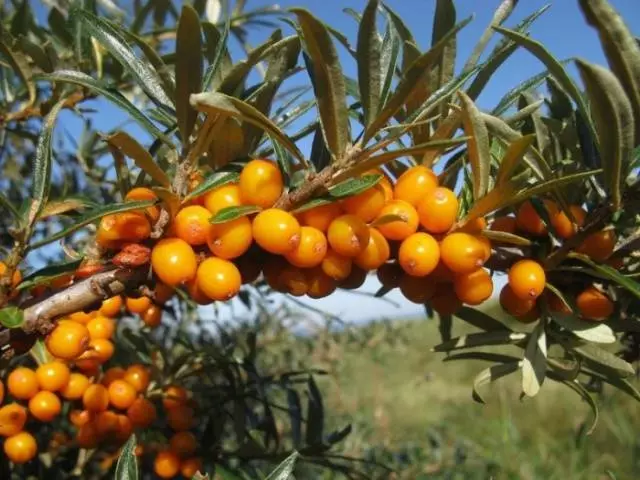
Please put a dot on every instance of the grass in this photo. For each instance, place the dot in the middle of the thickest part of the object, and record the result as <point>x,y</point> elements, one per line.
<point>414,412</point>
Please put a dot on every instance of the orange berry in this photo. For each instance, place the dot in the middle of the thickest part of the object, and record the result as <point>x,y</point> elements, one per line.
<point>12,419</point>
<point>218,279</point>
<point>462,252</point>
<point>53,376</point>
<point>419,254</point>
<point>319,284</point>
<point>321,217</point>
<point>336,266</point>
<point>121,394</point>
<point>261,183</point>
<point>100,349</point>
<point>475,225</point>
<point>190,466</point>
<point>82,317</point>
<point>166,464</point>
<point>348,235</point>
<point>124,428</point>
<point>87,436</point>
<point>89,364</point>
<point>414,184</point>
<point>106,423</point>
<point>473,288</point>
<point>529,221</point>
<point>556,305</point>
<point>276,231</point>
<point>230,239</point>
<point>564,227</point>
<point>444,300</point>
<point>365,205</point>
<point>45,406</point>
<point>310,251</point>
<point>21,447</point>
<point>222,197</point>
<point>442,273</point>
<point>138,376</point>
<point>152,316</point>
<point>114,373</point>
<point>111,306</point>
<point>95,398</point>
<point>102,327</point>
<point>594,305</point>
<point>22,383</point>
<point>196,294</point>
<point>599,245</point>
<point>80,417</point>
<point>399,229</point>
<point>75,387</point>
<point>375,254</point>
<point>292,280</point>
<point>192,224</point>
<point>386,186</point>
<point>143,193</point>
<point>504,224</point>
<point>527,279</point>
<point>438,210</point>
<point>514,305</point>
<point>137,304</point>
<point>142,413</point>
<point>417,289</point>
<point>181,418</point>
<point>68,340</point>
<point>174,396</point>
<point>130,227</point>
<point>1,392</point>
<point>162,293</point>
<point>183,443</point>
<point>174,261</point>
<point>16,278</point>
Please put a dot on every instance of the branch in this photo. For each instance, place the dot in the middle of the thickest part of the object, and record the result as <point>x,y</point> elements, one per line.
<point>315,183</point>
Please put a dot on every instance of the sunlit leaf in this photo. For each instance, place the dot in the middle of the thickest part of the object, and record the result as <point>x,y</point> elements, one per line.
<point>231,213</point>
<point>478,145</point>
<point>492,374</point>
<point>141,156</point>
<point>534,363</point>
<point>11,317</point>
<point>215,180</point>
<point>514,154</point>
<point>284,471</point>
<point>127,467</point>
<point>369,62</point>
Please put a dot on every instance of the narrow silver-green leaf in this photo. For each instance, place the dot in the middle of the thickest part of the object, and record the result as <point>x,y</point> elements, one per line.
<point>534,363</point>
<point>188,69</point>
<point>231,213</point>
<point>6,203</point>
<point>140,155</point>
<point>479,151</point>
<point>20,65</point>
<point>216,61</point>
<point>328,82</point>
<point>492,374</point>
<point>444,19</point>
<point>512,157</point>
<point>353,186</point>
<point>497,337</point>
<point>505,237</point>
<point>284,471</point>
<point>127,467</point>
<point>613,118</point>
<point>480,319</point>
<point>388,60</point>
<point>604,361</point>
<point>590,331</point>
<point>369,71</point>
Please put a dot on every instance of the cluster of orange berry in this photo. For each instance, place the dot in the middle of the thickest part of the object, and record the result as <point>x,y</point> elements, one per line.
<point>403,230</point>
<point>105,405</point>
<point>527,279</point>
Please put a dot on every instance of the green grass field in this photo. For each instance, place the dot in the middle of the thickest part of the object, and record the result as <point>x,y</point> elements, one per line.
<point>414,412</point>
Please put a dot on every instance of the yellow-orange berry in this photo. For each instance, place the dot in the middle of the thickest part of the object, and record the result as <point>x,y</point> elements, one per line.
<point>75,387</point>
<point>53,376</point>
<point>137,304</point>
<point>102,327</point>
<point>124,428</point>
<point>152,316</point>
<point>114,373</point>
<point>293,280</point>
<point>414,184</point>
<point>375,254</point>
<point>598,245</point>
<point>181,418</point>
<point>174,396</point>
<point>218,279</point>
<point>20,448</point>
<point>138,376</point>
<point>276,231</point>
<point>143,193</point>
<point>22,383</point>
<point>131,227</point>
<point>348,235</point>
<point>121,394</point>
<point>87,435</point>
<point>183,443</point>
<point>82,317</point>
<point>594,305</point>
<point>174,261</point>
<point>45,406</point>
<point>462,252</point>
<point>417,289</point>
<point>504,224</point>
<point>195,294</point>
<point>12,419</point>
<point>111,306</point>
<point>311,250</point>
<point>336,266</point>
<point>399,229</point>
<point>230,239</point>
<point>166,464</point>
<point>438,210</point>
<point>142,413</point>
<point>473,288</point>
<point>514,305</point>
<point>95,398</point>
<point>106,423</point>
<point>527,279</point>
<point>529,221</point>
<point>192,224</point>
<point>16,278</point>
<point>80,417</point>
<point>475,225</point>
<point>321,217</point>
<point>563,226</point>
<point>190,466</point>
<point>419,254</point>
<point>222,197</point>
<point>68,340</point>
<point>100,349</point>
<point>367,204</point>
<point>261,183</point>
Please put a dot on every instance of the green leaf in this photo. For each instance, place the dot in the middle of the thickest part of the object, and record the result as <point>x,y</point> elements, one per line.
<point>141,156</point>
<point>47,274</point>
<point>6,203</point>
<point>215,180</point>
<point>213,70</point>
<point>284,471</point>
<point>328,82</point>
<point>389,218</point>
<point>534,363</point>
<point>11,317</point>
<point>115,97</point>
<point>613,118</point>
<point>106,34</point>
<point>603,360</point>
<point>590,331</point>
<point>188,69</point>
<point>444,20</point>
<point>512,157</point>
<point>505,237</point>
<point>314,202</point>
<point>315,415</point>
<point>231,213</point>
<point>127,467</point>
<point>40,353</point>
<point>485,356</point>
<point>402,30</point>
<point>388,60</point>
<point>353,186</point>
<point>609,273</point>
<point>90,217</point>
<point>369,62</point>
<point>20,64</point>
<point>43,164</point>
<point>478,145</point>
<point>492,374</point>
<point>480,319</point>
<point>496,337</point>
<point>218,103</point>
<point>59,207</point>
<point>512,95</point>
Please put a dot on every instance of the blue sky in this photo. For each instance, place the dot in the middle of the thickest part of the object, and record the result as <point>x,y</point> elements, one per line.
<point>562,29</point>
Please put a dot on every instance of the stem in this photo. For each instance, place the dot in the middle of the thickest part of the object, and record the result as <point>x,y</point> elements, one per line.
<point>314,184</point>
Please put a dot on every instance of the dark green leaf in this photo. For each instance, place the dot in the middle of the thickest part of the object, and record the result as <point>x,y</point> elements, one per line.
<point>314,202</point>
<point>213,69</point>
<point>49,273</point>
<point>385,219</point>
<point>353,186</point>
<point>6,203</point>
<point>284,471</point>
<point>484,356</point>
<point>127,467</point>
<point>492,374</point>
<point>315,415</point>
<point>496,337</point>
<point>20,64</point>
<point>610,273</point>
<point>512,157</point>
<point>480,319</point>
<point>603,360</point>
<point>215,180</point>
<point>369,63</point>
<point>11,317</point>
<point>505,237</point>
<point>478,149</point>
<point>231,213</point>
<point>444,20</point>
